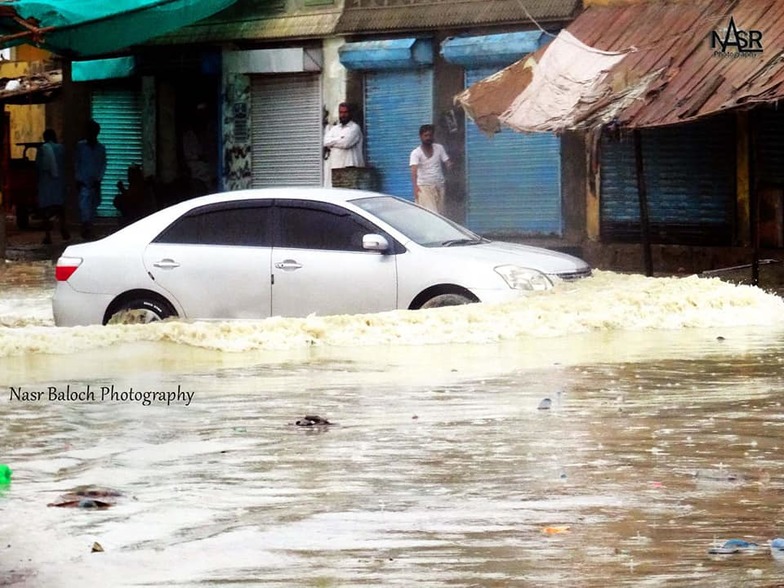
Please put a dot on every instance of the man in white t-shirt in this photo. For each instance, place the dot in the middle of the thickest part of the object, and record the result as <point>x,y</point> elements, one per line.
<point>427,175</point>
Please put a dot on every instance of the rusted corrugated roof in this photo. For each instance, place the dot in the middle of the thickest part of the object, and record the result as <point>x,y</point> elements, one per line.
<point>258,20</point>
<point>367,16</point>
<point>295,26</point>
<point>669,72</point>
<point>36,88</point>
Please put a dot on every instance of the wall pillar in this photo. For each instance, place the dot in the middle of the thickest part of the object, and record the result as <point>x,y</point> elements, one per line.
<point>743,187</point>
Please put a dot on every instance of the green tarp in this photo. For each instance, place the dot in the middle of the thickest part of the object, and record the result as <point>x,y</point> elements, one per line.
<point>103,69</point>
<point>94,27</point>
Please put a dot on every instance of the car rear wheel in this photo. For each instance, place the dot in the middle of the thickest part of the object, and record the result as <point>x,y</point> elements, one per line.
<point>447,300</point>
<point>141,311</point>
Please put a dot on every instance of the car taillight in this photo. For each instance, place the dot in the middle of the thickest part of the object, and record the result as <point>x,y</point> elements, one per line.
<point>65,268</point>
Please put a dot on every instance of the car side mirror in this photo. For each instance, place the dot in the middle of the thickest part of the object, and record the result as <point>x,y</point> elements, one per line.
<point>374,242</point>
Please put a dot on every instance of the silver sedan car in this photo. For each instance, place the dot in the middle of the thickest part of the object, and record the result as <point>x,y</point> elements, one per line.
<point>293,252</point>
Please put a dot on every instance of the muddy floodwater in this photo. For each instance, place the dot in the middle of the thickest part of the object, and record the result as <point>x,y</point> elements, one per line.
<point>607,433</point>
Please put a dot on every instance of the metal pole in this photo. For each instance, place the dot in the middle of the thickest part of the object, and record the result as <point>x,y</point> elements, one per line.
<point>3,196</point>
<point>753,205</point>
<point>642,194</point>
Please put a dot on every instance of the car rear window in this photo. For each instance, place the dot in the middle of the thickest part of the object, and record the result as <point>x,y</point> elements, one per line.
<point>239,226</point>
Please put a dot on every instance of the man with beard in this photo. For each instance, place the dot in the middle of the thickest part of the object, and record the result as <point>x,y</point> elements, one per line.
<point>427,175</point>
<point>343,141</point>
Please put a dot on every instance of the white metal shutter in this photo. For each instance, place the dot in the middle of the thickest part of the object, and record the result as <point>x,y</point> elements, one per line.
<point>286,130</point>
<point>119,112</point>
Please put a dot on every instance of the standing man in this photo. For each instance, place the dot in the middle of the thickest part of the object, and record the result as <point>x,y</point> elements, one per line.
<point>49,161</point>
<point>195,144</point>
<point>90,164</point>
<point>427,175</point>
<point>343,142</point>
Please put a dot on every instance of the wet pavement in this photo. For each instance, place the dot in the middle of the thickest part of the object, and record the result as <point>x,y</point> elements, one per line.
<point>27,244</point>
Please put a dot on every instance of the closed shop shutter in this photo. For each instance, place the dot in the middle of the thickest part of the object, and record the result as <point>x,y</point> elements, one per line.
<point>513,179</point>
<point>690,180</point>
<point>397,103</point>
<point>119,112</point>
<point>286,130</point>
<point>769,131</point>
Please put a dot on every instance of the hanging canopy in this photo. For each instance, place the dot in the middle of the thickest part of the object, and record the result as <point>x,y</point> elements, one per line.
<point>640,65</point>
<point>93,27</point>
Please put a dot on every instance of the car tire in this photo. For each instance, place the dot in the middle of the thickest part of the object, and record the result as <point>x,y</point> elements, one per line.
<point>447,300</point>
<point>141,311</point>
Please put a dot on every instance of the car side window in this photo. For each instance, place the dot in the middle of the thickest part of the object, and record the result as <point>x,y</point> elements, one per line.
<point>247,226</point>
<point>303,227</point>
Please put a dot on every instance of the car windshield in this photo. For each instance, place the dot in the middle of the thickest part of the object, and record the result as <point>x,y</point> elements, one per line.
<point>418,224</point>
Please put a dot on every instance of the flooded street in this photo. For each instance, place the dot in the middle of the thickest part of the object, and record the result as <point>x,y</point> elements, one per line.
<point>607,433</point>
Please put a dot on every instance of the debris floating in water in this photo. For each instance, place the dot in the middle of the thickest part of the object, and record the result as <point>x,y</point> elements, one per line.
<point>312,421</point>
<point>733,546</point>
<point>545,404</point>
<point>96,497</point>
<point>777,548</point>
<point>556,529</point>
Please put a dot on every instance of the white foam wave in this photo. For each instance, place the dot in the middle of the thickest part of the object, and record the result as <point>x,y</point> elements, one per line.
<point>606,302</point>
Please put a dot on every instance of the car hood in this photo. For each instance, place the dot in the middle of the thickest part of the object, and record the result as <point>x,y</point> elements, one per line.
<point>498,253</point>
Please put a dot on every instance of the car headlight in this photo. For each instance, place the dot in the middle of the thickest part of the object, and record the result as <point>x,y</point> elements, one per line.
<point>523,278</point>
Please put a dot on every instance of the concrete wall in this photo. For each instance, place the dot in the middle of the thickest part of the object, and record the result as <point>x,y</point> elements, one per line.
<point>448,80</point>
<point>237,149</point>
<point>236,108</point>
<point>27,121</point>
<point>333,78</point>
<point>574,174</point>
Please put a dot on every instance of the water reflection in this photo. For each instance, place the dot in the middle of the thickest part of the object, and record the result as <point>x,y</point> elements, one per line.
<point>441,469</point>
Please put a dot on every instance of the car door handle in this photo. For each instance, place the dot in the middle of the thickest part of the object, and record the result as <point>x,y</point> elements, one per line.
<point>166,264</point>
<point>288,264</point>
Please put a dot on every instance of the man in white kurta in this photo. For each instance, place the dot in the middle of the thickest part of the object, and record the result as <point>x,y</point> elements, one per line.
<point>345,143</point>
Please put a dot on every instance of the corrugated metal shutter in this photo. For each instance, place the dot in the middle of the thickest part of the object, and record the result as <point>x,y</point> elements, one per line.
<point>769,129</point>
<point>690,179</point>
<point>513,179</point>
<point>397,103</point>
<point>119,112</point>
<point>286,130</point>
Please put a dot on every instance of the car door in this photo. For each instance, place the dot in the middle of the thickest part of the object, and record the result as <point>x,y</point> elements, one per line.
<point>215,260</point>
<point>319,265</point>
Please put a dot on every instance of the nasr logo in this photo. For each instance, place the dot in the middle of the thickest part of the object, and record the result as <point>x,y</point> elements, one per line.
<point>742,41</point>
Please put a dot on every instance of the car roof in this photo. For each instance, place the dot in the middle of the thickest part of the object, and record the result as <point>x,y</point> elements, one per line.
<point>296,193</point>
<point>151,225</point>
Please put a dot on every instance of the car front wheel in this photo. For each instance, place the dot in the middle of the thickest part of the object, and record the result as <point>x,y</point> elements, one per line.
<point>447,300</point>
<point>141,311</point>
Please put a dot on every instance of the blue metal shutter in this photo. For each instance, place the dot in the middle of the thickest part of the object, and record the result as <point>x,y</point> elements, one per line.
<point>287,127</point>
<point>397,103</point>
<point>513,179</point>
<point>690,179</point>
<point>769,129</point>
<point>119,112</point>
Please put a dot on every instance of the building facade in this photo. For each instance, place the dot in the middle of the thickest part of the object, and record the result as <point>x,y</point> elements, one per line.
<point>242,99</point>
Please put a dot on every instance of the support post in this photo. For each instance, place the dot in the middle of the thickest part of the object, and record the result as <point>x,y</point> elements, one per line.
<point>753,204</point>
<point>642,195</point>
